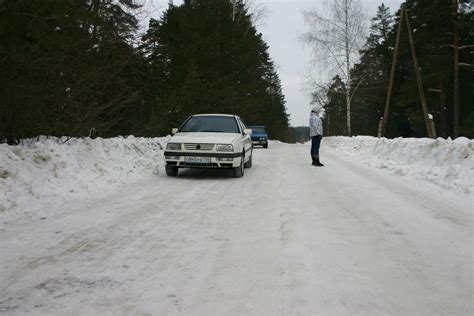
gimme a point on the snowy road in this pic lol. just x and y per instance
(286, 239)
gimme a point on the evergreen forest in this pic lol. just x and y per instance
(439, 28)
(85, 68)
(90, 68)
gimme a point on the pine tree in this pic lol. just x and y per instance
(372, 74)
(432, 24)
(207, 61)
(336, 108)
(70, 68)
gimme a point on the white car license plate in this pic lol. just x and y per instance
(197, 159)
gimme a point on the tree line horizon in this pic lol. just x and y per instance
(80, 68)
(443, 36)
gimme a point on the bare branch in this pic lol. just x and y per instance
(358, 84)
(258, 11)
(337, 38)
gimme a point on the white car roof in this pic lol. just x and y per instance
(214, 114)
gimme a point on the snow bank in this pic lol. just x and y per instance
(47, 171)
(449, 163)
(43, 171)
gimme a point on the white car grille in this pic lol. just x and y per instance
(197, 146)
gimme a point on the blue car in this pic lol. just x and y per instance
(259, 135)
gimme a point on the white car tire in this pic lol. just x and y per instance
(239, 171)
(248, 164)
(171, 171)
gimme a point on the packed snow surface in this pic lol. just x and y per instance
(94, 227)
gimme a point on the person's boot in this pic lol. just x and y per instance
(314, 160)
(318, 164)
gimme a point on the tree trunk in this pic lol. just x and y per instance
(348, 68)
(348, 103)
(443, 122)
(456, 84)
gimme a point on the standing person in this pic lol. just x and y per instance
(316, 134)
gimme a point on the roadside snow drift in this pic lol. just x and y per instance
(45, 171)
(48, 171)
(446, 162)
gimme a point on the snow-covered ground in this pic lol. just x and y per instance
(449, 163)
(96, 227)
(49, 171)
(45, 172)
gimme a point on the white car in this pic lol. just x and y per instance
(210, 141)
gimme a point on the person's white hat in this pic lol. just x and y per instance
(317, 109)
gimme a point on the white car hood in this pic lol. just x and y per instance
(209, 138)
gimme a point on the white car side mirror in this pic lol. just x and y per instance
(174, 131)
(247, 131)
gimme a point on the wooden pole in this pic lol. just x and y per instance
(429, 123)
(380, 129)
(392, 75)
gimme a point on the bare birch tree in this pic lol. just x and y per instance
(336, 38)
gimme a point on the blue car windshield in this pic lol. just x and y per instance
(213, 124)
(258, 130)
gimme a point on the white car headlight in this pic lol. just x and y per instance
(173, 146)
(222, 147)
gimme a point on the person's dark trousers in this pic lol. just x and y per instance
(315, 144)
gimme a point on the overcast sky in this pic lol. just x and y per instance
(281, 28)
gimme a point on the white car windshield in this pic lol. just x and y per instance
(213, 124)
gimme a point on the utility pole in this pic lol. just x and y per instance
(428, 119)
(383, 122)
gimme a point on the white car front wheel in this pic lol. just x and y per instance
(248, 164)
(239, 171)
(171, 171)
